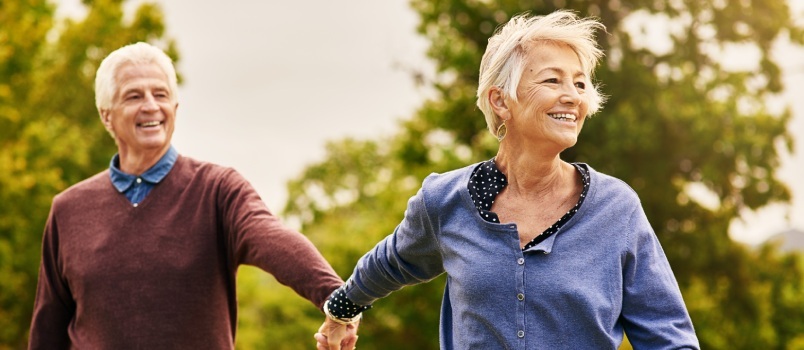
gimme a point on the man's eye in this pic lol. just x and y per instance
(551, 81)
(580, 85)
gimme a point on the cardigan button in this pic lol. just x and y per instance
(520, 334)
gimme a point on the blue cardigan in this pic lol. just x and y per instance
(603, 273)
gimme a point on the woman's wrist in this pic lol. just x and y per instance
(341, 309)
(340, 320)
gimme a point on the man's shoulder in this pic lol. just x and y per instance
(198, 176)
(190, 164)
(88, 188)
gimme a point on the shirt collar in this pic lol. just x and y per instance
(123, 181)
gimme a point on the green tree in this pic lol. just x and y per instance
(50, 135)
(678, 123)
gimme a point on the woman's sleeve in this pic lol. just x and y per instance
(54, 307)
(654, 315)
(410, 255)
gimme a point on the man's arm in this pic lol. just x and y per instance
(54, 307)
(257, 237)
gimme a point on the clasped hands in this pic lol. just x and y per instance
(335, 335)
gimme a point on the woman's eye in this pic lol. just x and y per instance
(580, 85)
(551, 81)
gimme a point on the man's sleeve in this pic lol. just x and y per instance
(54, 307)
(257, 237)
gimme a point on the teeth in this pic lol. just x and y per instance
(563, 117)
(153, 123)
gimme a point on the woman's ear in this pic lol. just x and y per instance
(497, 100)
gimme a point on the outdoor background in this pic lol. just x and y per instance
(344, 107)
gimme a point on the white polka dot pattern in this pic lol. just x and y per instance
(487, 181)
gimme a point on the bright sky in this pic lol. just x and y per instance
(267, 83)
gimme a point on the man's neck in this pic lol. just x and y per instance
(136, 163)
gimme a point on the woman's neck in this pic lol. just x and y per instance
(533, 175)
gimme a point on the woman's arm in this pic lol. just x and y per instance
(654, 315)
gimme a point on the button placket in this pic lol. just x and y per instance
(520, 295)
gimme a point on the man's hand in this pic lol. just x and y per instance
(336, 336)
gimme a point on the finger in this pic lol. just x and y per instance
(334, 344)
(320, 338)
(349, 343)
(320, 341)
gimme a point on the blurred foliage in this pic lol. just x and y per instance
(678, 119)
(682, 124)
(50, 134)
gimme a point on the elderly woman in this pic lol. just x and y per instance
(539, 253)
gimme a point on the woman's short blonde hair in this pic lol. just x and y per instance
(139, 53)
(503, 63)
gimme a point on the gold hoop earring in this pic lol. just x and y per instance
(501, 131)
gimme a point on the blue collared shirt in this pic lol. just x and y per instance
(134, 187)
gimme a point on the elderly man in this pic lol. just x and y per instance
(144, 255)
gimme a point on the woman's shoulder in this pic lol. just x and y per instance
(607, 186)
(451, 178)
(447, 189)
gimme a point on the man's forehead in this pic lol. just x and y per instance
(140, 76)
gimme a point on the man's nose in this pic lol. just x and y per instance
(149, 104)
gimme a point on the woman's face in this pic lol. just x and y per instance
(552, 99)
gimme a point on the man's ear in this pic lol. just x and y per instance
(497, 100)
(106, 118)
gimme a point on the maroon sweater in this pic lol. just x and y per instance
(162, 275)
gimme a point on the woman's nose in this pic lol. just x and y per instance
(570, 95)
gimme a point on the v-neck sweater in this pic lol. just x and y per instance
(162, 274)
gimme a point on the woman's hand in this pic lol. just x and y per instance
(336, 336)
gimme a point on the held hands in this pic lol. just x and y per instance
(335, 335)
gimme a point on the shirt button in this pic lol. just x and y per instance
(520, 334)
(139, 180)
(520, 261)
(135, 205)
(520, 296)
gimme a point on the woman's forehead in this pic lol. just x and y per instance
(553, 57)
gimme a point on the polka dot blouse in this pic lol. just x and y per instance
(487, 181)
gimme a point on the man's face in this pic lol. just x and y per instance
(143, 111)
